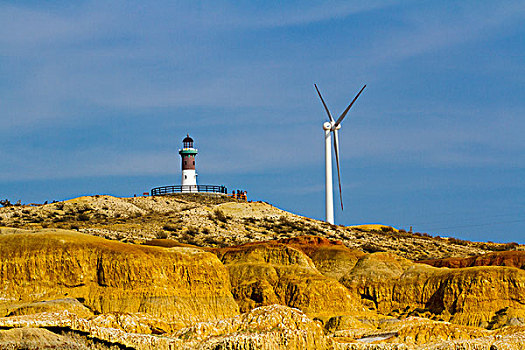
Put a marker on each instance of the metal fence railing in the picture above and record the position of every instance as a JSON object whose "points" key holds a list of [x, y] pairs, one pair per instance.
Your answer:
{"points": [[158, 191]]}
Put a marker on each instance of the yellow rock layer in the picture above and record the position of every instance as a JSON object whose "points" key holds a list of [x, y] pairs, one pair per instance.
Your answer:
{"points": [[474, 296], [274, 273], [177, 284]]}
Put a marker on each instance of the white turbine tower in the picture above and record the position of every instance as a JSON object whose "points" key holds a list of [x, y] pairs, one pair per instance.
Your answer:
{"points": [[330, 127]]}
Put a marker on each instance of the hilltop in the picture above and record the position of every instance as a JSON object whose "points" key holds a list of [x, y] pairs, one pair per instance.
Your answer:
{"points": [[210, 272], [219, 221]]}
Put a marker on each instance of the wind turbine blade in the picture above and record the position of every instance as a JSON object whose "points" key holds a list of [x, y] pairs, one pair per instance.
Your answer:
{"points": [[347, 109], [324, 104], [336, 147]]}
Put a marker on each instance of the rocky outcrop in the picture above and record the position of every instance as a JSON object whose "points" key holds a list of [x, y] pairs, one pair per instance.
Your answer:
{"points": [[100, 330], [508, 338], [274, 273], [267, 328], [471, 296], [271, 327], [36, 338], [331, 257], [181, 285]]}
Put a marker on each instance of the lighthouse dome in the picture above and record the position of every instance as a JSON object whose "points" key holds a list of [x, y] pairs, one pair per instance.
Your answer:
{"points": [[187, 142]]}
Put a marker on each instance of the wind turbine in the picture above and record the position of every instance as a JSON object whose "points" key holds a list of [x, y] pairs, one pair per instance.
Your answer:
{"points": [[330, 127]]}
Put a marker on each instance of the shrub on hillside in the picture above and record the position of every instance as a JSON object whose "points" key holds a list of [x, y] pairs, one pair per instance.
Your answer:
{"points": [[82, 217], [219, 215], [192, 231], [170, 227], [212, 241], [458, 241], [5, 202], [250, 220], [162, 235], [503, 247]]}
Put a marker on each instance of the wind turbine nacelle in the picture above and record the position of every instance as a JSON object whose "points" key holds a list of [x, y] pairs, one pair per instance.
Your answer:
{"points": [[330, 126]]}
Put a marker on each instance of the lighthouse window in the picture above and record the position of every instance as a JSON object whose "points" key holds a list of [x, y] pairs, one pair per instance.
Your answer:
{"points": [[185, 176], [185, 162], [193, 162]]}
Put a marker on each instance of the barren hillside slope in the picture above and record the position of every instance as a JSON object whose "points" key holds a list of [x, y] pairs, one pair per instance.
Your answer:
{"points": [[219, 221]]}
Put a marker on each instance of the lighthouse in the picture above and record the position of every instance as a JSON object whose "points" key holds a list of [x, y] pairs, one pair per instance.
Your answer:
{"points": [[189, 176]]}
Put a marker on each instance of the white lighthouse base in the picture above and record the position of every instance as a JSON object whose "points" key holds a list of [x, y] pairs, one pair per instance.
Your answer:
{"points": [[189, 181]]}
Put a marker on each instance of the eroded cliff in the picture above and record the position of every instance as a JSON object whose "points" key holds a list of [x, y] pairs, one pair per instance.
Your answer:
{"points": [[181, 285]]}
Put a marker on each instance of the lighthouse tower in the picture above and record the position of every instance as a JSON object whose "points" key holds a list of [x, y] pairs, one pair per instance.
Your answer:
{"points": [[189, 176]]}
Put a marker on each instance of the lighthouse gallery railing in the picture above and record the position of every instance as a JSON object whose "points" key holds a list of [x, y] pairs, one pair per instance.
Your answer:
{"points": [[158, 191]]}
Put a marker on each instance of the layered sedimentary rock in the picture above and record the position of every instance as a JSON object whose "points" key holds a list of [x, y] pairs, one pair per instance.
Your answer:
{"points": [[102, 329], [270, 327], [302, 292], [331, 257], [274, 273], [70, 304], [474, 296], [181, 285], [266, 328], [37, 338]]}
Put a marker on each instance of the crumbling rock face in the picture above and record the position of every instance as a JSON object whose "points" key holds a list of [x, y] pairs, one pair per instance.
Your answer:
{"points": [[474, 296], [100, 329], [274, 273], [271, 327], [267, 328], [185, 285], [331, 257], [36, 338]]}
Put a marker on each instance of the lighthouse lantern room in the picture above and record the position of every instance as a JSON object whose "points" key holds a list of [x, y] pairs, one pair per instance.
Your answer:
{"points": [[189, 176]]}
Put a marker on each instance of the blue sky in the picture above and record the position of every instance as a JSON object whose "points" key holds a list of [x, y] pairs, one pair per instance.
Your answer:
{"points": [[96, 96]]}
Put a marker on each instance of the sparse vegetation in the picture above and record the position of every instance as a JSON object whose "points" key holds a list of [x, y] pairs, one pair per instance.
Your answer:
{"points": [[192, 231], [462, 242], [82, 217], [162, 235], [135, 219], [220, 216], [503, 247], [170, 227], [250, 220]]}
